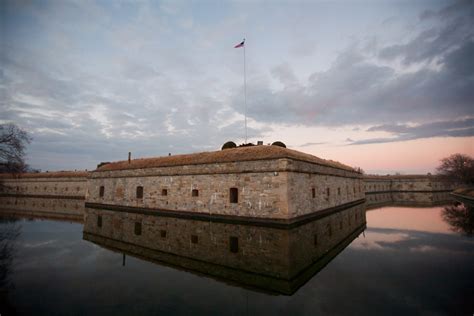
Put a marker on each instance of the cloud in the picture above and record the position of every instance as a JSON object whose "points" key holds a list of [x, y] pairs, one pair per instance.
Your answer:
{"points": [[403, 132], [92, 81], [370, 88], [311, 144]]}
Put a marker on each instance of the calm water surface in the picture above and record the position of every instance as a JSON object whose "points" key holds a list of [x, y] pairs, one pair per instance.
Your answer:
{"points": [[407, 261]]}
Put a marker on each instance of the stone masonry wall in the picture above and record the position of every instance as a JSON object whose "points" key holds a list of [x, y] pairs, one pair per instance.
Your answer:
{"points": [[259, 194], [309, 193], [408, 190], [266, 188], [73, 187]]}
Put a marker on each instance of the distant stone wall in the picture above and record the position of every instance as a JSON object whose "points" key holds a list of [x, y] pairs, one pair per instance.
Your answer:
{"points": [[241, 253], [261, 189], [407, 190], [68, 185]]}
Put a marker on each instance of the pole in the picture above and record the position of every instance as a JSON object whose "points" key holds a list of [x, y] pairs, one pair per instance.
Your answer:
{"points": [[245, 95]]}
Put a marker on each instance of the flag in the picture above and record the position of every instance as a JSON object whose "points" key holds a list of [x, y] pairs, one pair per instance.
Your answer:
{"points": [[240, 45]]}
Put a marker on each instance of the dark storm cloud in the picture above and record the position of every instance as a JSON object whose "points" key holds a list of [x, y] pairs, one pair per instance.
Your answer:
{"points": [[362, 89], [459, 128]]}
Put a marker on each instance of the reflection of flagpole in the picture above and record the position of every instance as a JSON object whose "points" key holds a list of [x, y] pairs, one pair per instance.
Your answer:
{"points": [[242, 44]]}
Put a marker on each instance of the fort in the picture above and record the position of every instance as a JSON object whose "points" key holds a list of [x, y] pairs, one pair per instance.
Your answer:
{"points": [[257, 183]]}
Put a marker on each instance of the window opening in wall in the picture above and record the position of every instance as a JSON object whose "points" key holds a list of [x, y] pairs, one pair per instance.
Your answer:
{"points": [[163, 233], [101, 191], [338, 191], [195, 192], [194, 239], [99, 220], [138, 228], [234, 195], [139, 192], [234, 244], [328, 192], [164, 192], [313, 192]]}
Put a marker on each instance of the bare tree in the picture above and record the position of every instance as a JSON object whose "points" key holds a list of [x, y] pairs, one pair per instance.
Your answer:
{"points": [[460, 217], [13, 141], [459, 167]]}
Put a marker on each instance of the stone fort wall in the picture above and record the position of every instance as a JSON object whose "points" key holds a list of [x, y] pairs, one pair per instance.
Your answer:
{"points": [[422, 190], [277, 188], [49, 185]]}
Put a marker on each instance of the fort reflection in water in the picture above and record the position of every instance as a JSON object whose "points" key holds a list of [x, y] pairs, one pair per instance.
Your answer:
{"points": [[269, 259], [261, 256]]}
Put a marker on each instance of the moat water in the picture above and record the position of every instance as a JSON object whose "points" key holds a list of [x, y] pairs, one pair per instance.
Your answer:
{"points": [[407, 261]]}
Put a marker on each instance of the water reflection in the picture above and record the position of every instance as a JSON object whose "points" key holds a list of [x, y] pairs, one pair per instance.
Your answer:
{"points": [[408, 263], [269, 259], [57, 208], [461, 218], [8, 234]]}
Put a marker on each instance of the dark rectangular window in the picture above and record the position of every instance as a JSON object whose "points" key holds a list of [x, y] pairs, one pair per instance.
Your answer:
{"points": [[138, 228], [139, 192], [234, 244], [99, 221], [164, 192], [101, 191], [313, 192], [163, 233], [338, 191], [234, 195], [195, 192], [194, 239], [329, 229]]}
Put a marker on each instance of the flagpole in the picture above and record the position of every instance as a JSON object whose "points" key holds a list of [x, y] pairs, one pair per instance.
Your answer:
{"points": [[245, 95]]}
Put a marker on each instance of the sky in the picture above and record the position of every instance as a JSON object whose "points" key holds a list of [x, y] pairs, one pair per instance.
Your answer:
{"points": [[387, 86]]}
